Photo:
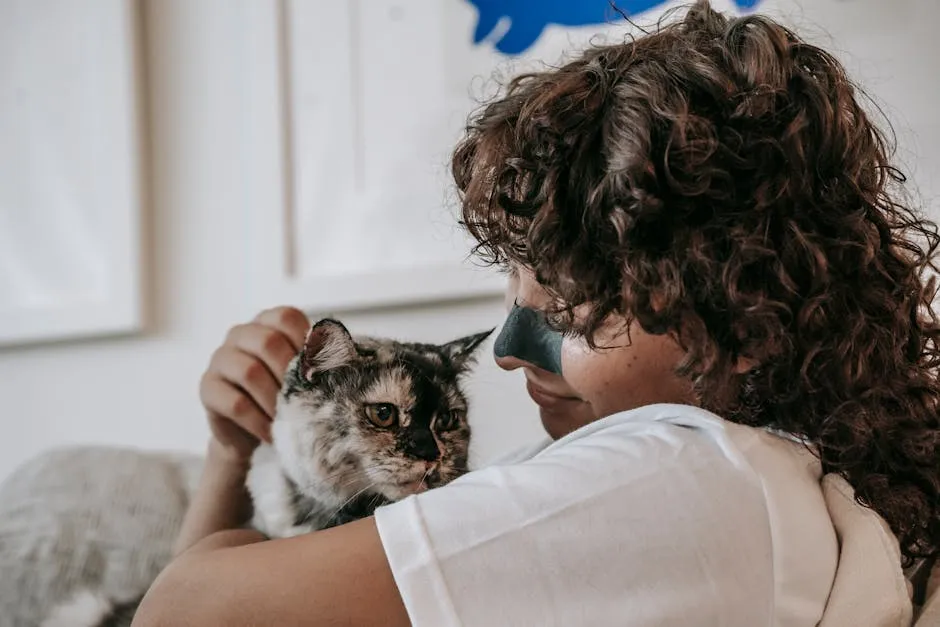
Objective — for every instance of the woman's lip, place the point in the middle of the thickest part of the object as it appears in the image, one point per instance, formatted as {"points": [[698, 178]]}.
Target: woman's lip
{"points": [[544, 398]]}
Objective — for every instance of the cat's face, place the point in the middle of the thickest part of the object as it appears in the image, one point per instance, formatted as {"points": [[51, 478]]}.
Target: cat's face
{"points": [[374, 416]]}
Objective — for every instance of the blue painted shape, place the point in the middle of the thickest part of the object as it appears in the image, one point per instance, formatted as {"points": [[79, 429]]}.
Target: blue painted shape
{"points": [[528, 18]]}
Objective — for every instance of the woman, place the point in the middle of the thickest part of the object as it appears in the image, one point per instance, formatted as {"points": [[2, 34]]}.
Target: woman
{"points": [[705, 237]]}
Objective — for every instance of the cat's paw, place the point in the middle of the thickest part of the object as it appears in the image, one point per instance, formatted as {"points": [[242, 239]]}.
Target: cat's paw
{"points": [[281, 530], [297, 530]]}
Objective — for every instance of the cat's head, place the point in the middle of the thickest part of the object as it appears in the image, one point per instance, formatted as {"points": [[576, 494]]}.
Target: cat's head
{"points": [[374, 416]]}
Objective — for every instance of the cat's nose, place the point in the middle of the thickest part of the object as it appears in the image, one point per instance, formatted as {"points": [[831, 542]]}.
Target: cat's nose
{"points": [[421, 445]]}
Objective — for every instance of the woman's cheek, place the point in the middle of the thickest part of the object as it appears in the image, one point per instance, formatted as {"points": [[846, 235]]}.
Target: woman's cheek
{"points": [[581, 369], [609, 379]]}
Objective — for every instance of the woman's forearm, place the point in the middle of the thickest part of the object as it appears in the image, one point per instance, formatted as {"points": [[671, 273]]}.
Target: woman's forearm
{"points": [[221, 501]]}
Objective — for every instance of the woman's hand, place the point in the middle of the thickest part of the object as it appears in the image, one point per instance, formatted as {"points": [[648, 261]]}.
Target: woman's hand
{"points": [[239, 389]]}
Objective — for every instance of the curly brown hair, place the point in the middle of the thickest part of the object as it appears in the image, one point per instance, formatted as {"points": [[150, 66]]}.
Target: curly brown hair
{"points": [[718, 180]]}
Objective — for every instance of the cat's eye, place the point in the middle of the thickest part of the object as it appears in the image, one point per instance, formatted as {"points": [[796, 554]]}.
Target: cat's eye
{"points": [[382, 415], [449, 420]]}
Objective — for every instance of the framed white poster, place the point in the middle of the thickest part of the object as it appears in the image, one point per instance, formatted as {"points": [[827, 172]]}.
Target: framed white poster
{"points": [[373, 94], [70, 193]]}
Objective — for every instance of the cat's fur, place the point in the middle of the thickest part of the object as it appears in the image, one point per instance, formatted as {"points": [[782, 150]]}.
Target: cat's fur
{"points": [[329, 463]]}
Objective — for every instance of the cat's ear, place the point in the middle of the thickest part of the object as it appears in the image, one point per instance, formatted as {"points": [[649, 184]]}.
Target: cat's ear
{"points": [[462, 351], [328, 345]]}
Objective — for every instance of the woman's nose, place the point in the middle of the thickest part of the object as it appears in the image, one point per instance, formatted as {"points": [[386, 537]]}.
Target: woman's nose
{"points": [[510, 362]]}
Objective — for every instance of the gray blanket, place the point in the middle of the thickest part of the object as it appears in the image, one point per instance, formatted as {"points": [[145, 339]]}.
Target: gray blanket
{"points": [[88, 518]]}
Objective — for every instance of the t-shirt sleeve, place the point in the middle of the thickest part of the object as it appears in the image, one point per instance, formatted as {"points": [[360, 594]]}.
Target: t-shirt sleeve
{"points": [[629, 525]]}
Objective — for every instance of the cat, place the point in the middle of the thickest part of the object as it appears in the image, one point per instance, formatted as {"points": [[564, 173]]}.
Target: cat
{"points": [[360, 422]]}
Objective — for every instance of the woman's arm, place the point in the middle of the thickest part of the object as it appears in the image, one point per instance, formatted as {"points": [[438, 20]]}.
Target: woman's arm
{"points": [[221, 501], [339, 576], [239, 392]]}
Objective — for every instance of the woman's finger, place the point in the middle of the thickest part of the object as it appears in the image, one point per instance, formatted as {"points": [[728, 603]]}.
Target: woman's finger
{"points": [[226, 401], [269, 345], [249, 374], [288, 320]]}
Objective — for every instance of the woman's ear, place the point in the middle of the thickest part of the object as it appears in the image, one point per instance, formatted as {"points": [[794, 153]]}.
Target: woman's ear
{"points": [[743, 365]]}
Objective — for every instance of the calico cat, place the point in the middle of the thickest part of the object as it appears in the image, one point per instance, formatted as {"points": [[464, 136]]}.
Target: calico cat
{"points": [[360, 422]]}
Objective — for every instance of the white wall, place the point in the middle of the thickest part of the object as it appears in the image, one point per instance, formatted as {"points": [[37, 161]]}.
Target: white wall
{"points": [[142, 391], [207, 175]]}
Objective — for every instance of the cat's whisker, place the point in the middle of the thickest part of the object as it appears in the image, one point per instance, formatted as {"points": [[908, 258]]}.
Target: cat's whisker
{"points": [[427, 473], [352, 476], [355, 474], [372, 482], [375, 502], [353, 482], [353, 498]]}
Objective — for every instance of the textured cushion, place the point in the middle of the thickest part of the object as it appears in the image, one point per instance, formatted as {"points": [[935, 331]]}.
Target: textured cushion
{"points": [[88, 518]]}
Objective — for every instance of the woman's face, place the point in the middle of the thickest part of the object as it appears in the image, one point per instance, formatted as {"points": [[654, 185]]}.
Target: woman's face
{"points": [[627, 373]]}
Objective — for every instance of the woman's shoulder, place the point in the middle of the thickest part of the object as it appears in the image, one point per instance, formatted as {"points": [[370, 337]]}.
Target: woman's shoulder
{"points": [[669, 440], [729, 481], [681, 454]]}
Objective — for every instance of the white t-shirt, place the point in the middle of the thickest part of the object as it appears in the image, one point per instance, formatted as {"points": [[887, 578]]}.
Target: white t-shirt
{"points": [[663, 515]]}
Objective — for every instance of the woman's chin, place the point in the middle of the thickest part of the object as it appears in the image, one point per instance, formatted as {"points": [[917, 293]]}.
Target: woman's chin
{"points": [[558, 424]]}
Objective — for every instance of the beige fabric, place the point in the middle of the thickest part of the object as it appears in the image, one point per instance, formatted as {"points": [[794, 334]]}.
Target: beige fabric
{"points": [[869, 588], [930, 612]]}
